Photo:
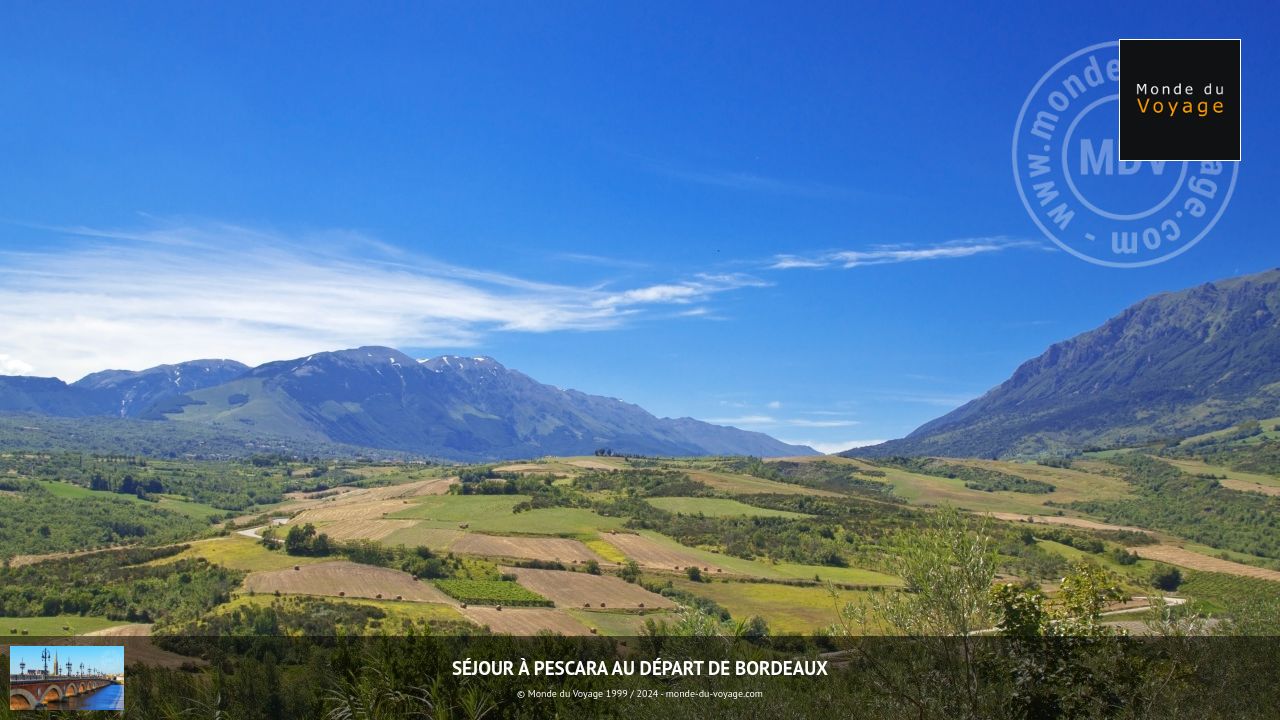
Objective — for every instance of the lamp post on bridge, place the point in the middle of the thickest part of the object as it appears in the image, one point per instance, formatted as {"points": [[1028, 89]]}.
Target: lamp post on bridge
{"points": [[44, 655]]}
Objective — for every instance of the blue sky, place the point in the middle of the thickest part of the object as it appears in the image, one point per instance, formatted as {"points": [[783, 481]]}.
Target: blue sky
{"points": [[108, 659], [610, 197]]}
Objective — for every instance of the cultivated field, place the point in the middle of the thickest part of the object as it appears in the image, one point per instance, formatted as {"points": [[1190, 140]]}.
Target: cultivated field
{"points": [[15, 628], [494, 514], [502, 593], [716, 507], [751, 485], [788, 609], [1062, 520], [421, 534], [1188, 559], [577, 590], [375, 529], [525, 621], [658, 556], [238, 552], [348, 507], [138, 647], [365, 503], [344, 579], [532, 548], [619, 624]]}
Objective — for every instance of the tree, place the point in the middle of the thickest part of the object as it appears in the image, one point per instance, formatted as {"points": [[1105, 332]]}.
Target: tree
{"points": [[948, 567], [1166, 577], [630, 571]]}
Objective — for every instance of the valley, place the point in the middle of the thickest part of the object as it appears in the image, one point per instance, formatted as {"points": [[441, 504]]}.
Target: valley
{"points": [[595, 545]]}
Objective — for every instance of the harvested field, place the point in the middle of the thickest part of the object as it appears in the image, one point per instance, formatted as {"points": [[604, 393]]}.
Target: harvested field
{"points": [[138, 648], [1194, 560], [561, 549], [348, 510], [652, 554], [419, 534], [366, 503], [521, 467], [577, 590], [1060, 520], [525, 621], [319, 494], [379, 529], [1245, 486], [344, 579], [131, 630], [597, 464], [434, 486]]}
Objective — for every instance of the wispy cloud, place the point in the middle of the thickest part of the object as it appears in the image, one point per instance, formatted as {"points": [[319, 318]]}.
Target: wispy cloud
{"points": [[601, 260], [892, 254], [131, 299], [697, 289]]}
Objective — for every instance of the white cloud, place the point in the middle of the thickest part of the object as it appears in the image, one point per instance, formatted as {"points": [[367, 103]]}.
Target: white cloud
{"points": [[13, 366], [682, 293], [827, 448], [774, 405], [892, 254], [136, 299]]}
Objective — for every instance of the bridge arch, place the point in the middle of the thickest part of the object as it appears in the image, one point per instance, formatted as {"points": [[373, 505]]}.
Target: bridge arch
{"points": [[22, 699], [53, 693], [70, 690]]}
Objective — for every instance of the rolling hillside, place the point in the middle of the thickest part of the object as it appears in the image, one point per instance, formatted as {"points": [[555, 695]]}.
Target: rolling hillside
{"points": [[1172, 365], [456, 408]]}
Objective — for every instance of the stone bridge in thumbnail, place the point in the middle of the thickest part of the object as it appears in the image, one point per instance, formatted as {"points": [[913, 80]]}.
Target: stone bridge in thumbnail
{"points": [[28, 692]]}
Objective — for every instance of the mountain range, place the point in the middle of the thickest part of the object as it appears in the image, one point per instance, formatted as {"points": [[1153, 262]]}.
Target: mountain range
{"points": [[456, 408], [1172, 365]]}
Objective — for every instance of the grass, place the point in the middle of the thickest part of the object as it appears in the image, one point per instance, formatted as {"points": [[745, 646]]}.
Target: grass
{"points": [[435, 538], [605, 550], [618, 624], [780, 571], [1267, 432], [493, 514], [1069, 485], [716, 507], [52, 626], [1243, 558], [396, 610], [751, 485], [1219, 591], [1136, 573], [1243, 480], [70, 491], [237, 552], [789, 610], [492, 592]]}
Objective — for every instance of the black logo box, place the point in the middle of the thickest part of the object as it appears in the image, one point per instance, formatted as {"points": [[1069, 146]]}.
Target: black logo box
{"points": [[1187, 68]]}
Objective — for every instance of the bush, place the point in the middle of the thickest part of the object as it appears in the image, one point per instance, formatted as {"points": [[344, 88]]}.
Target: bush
{"points": [[1166, 577]]}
